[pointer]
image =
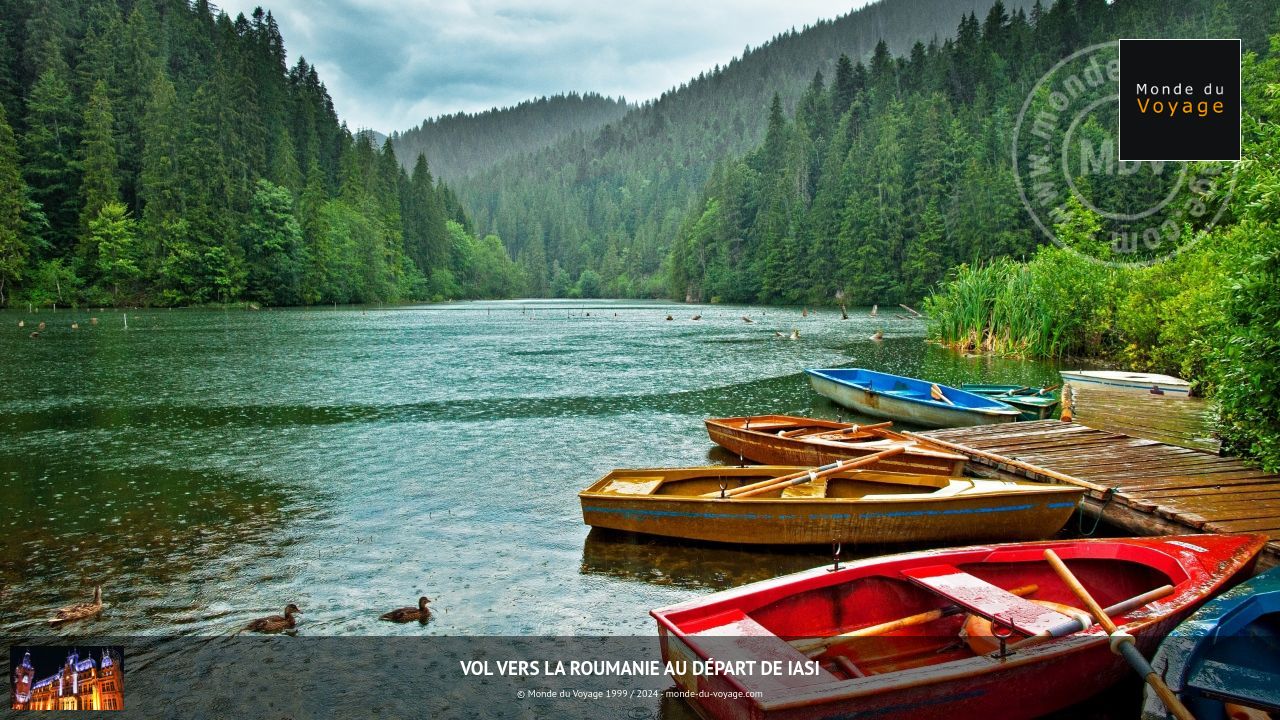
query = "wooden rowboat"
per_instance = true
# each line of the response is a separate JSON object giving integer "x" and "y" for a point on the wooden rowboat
{"x": 791, "y": 440}
{"x": 850, "y": 506}
{"x": 1136, "y": 381}
{"x": 908, "y": 399}
{"x": 1034, "y": 403}
{"x": 1224, "y": 661}
{"x": 899, "y": 618}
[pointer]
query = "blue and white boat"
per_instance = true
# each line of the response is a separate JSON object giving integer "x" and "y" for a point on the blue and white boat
{"x": 1224, "y": 661}
{"x": 907, "y": 399}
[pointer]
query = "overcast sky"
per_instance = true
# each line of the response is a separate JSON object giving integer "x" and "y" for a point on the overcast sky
{"x": 389, "y": 65}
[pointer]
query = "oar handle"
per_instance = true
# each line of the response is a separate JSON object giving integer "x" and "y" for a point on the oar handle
{"x": 1121, "y": 643}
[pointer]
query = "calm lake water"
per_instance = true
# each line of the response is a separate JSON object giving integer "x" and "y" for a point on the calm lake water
{"x": 207, "y": 467}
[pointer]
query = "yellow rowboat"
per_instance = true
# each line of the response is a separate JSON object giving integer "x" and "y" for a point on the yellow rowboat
{"x": 849, "y": 506}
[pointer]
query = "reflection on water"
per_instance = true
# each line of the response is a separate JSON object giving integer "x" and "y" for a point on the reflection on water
{"x": 702, "y": 567}
{"x": 207, "y": 467}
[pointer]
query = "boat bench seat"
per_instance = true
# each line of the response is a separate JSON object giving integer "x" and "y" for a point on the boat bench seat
{"x": 812, "y": 489}
{"x": 1248, "y": 686}
{"x": 635, "y": 485}
{"x": 736, "y": 636}
{"x": 990, "y": 601}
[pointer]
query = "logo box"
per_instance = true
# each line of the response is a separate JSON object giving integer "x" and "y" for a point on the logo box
{"x": 1179, "y": 100}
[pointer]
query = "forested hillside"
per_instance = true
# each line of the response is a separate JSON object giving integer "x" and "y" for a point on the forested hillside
{"x": 156, "y": 151}
{"x": 613, "y": 200}
{"x": 463, "y": 144}
{"x": 891, "y": 173}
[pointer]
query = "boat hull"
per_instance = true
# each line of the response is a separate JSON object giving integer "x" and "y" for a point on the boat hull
{"x": 772, "y": 449}
{"x": 1228, "y": 651}
{"x": 1136, "y": 382}
{"x": 883, "y": 405}
{"x": 1030, "y": 512}
{"x": 1032, "y": 406}
{"x": 1044, "y": 678}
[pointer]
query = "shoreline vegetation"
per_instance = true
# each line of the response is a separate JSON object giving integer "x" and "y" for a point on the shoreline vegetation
{"x": 1210, "y": 314}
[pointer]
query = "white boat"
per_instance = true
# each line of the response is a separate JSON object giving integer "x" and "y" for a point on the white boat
{"x": 1121, "y": 380}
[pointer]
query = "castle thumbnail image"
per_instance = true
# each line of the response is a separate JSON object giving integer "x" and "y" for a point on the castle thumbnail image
{"x": 60, "y": 678}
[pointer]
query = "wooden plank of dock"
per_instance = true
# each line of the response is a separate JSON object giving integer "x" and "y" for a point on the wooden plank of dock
{"x": 1177, "y": 420}
{"x": 1140, "y": 484}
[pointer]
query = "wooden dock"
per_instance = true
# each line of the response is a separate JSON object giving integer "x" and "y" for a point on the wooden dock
{"x": 1140, "y": 484}
{"x": 1182, "y": 421}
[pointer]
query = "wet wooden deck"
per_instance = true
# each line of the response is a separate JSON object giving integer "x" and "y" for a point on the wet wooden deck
{"x": 1140, "y": 484}
{"x": 1185, "y": 422}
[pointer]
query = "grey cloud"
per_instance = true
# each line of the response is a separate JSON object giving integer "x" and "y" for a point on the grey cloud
{"x": 390, "y": 65}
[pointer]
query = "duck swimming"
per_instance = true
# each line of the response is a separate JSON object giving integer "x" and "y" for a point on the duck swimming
{"x": 275, "y": 623}
{"x": 79, "y": 611}
{"x": 409, "y": 614}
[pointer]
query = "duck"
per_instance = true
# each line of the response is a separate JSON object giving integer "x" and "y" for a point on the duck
{"x": 22, "y": 323}
{"x": 878, "y": 336}
{"x": 696, "y": 317}
{"x": 40, "y": 326}
{"x": 75, "y": 326}
{"x": 79, "y": 611}
{"x": 275, "y": 623}
{"x": 35, "y": 334}
{"x": 409, "y": 614}
{"x": 747, "y": 319}
{"x": 795, "y": 334}
{"x": 669, "y": 318}
{"x": 93, "y": 321}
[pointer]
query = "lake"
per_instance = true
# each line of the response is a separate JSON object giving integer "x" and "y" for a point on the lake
{"x": 207, "y": 467}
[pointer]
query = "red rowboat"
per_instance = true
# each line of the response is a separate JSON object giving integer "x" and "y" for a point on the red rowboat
{"x": 906, "y": 656}
{"x": 792, "y": 440}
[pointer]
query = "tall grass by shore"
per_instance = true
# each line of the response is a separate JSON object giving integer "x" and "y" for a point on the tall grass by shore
{"x": 1056, "y": 305}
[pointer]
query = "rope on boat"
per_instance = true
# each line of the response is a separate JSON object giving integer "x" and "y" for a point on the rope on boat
{"x": 1109, "y": 496}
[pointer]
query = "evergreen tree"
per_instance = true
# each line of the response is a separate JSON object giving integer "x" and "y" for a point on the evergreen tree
{"x": 272, "y": 240}
{"x": 13, "y": 199}
{"x": 100, "y": 185}
{"x": 49, "y": 148}
{"x": 113, "y": 235}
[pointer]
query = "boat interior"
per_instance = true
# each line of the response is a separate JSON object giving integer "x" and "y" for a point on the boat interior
{"x": 810, "y": 429}
{"x": 847, "y": 485}
{"x": 1242, "y": 663}
{"x": 1018, "y": 586}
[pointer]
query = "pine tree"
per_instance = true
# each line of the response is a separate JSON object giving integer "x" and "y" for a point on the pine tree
{"x": 272, "y": 240}
{"x": 13, "y": 199}
{"x": 49, "y": 148}
{"x": 114, "y": 237}
{"x": 100, "y": 185}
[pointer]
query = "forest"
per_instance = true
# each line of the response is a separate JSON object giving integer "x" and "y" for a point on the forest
{"x": 463, "y": 144}
{"x": 613, "y": 201}
{"x": 899, "y": 169}
{"x": 160, "y": 153}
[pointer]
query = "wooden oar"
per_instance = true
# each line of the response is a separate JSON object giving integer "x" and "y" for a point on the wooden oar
{"x": 1084, "y": 622}
{"x": 814, "y": 646}
{"x": 859, "y": 428}
{"x": 1121, "y": 643}
{"x": 935, "y": 392}
{"x": 1047, "y": 390}
{"x": 806, "y": 475}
